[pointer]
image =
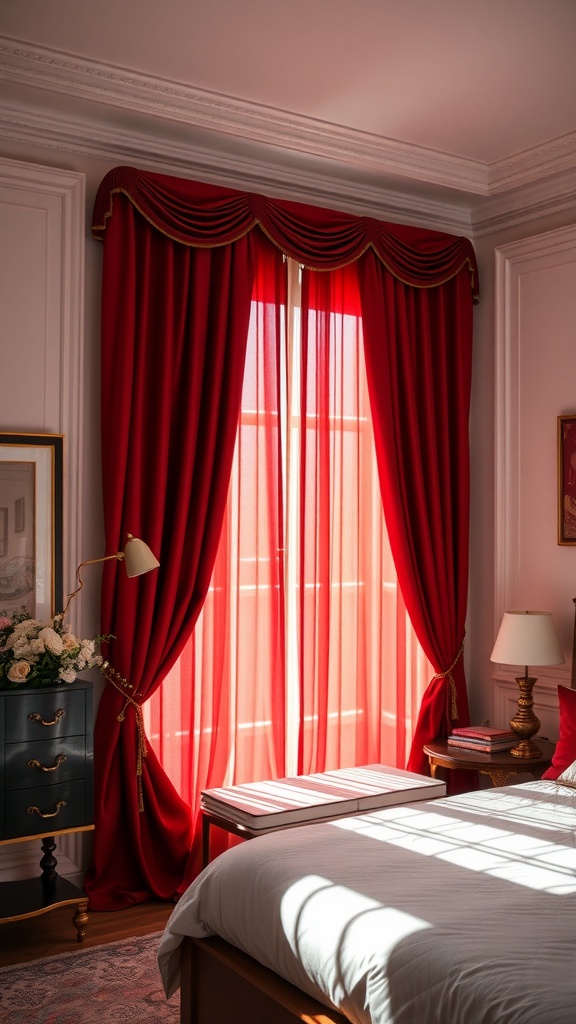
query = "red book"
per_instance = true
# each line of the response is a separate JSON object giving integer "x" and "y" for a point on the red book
{"x": 481, "y": 746}
{"x": 484, "y": 732}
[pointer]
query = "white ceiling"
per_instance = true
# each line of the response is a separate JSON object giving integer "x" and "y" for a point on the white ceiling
{"x": 453, "y": 101}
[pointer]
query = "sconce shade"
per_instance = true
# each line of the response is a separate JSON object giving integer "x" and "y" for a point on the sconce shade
{"x": 138, "y": 557}
{"x": 527, "y": 638}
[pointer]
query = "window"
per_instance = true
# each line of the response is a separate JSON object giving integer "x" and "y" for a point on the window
{"x": 303, "y": 658}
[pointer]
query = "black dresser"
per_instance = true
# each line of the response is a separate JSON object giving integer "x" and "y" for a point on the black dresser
{"x": 46, "y": 789}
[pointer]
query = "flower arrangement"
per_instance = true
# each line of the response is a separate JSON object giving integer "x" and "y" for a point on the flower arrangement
{"x": 35, "y": 654}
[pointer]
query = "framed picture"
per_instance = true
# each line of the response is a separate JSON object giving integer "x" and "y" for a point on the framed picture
{"x": 567, "y": 479}
{"x": 3, "y": 532}
{"x": 31, "y": 523}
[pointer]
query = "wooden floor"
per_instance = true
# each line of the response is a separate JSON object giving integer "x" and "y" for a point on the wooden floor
{"x": 52, "y": 933}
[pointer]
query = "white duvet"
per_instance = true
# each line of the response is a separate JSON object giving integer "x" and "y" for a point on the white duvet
{"x": 453, "y": 911}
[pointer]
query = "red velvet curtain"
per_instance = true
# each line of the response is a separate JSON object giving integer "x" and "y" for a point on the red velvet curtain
{"x": 179, "y": 262}
{"x": 174, "y": 328}
{"x": 420, "y": 399}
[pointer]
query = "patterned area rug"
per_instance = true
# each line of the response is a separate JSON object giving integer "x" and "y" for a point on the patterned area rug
{"x": 107, "y": 984}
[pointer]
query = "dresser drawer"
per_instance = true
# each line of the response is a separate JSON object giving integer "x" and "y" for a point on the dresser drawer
{"x": 57, "y": 807}
{"x": 45, "y": 714}
{"x": 52, "y": 727}
{"x": 44, "y": 763}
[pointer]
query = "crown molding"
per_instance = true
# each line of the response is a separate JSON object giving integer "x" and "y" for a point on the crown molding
{"x": 322, "y": 186}
{"x": 155, "y": 153}
{"x": 24, "y": 64}
{"x": 70, "y": 104}
{"x": 53, "y": 71}
{"x": 551, "y": 158}
{"x": 527, "y": 203}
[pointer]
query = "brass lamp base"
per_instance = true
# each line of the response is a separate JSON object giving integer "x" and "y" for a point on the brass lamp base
{"x": 525, "y": 723}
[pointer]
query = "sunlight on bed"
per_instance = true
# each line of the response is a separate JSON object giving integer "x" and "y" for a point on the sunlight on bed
{"x": 531, "y": 860}
{"x": 350, "y": 916}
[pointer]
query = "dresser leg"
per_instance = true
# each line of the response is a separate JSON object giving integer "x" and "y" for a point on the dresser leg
{"x": 80, "y": 920}
{"x": 48, "y": 866}
{"x": 49, "y": 879}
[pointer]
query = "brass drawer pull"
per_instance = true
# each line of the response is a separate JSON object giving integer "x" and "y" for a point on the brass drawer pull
{"x": 33, "y": 763}
{"x": 52, "y": 814}
{"x": 35, "y": 717}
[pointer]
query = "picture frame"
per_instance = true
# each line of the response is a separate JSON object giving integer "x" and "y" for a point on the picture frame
{"x": 3, "y": 531}
{"x": 31, "y": 493}
{"x": 567, "y": 479}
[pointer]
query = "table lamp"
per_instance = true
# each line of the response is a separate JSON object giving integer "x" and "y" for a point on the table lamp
{"x": 527, "y": 638}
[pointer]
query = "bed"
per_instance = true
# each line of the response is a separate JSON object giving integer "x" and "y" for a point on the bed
{"x": 460, "y": 910}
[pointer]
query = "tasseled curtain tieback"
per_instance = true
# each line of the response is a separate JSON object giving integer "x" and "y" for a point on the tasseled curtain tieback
{"x": 448, "y": 675}
{"x": 121, "y": 685}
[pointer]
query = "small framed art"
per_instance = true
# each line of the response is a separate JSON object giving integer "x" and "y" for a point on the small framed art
{"x": 31, "y": 523}
{"x": 567, "y": 479}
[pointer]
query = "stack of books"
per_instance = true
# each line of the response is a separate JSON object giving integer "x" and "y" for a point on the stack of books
{"x": 483, "y": 739}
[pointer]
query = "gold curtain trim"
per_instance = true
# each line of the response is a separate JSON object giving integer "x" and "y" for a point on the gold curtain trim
{"x": 174, "y": 238}
{"x": 98, "y": 229}
{"x": 120, "y": 684}
{"x": 448, "y": 675}
{"x": 379, "y": 256}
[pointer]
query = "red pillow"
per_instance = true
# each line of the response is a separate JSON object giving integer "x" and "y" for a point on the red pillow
{"x": 565, "y": 752}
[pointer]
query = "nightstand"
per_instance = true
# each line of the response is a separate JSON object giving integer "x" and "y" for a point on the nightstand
{"x": 46, "y": 790}
{"x": 498, "y": 767}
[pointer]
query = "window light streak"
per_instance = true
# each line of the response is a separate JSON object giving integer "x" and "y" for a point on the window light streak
{"x": 339, "y": 585}
{"x": 262, "y": 724}
{"x": 266, "y": 723}
{"x": 358, "y": 920}
{"x": 545, "y": 814}
{"x": 253, "y": 417}
{"x": 178, "y": 734}
{"x": 532, "y": 861}
{"x": 351, "y": 713}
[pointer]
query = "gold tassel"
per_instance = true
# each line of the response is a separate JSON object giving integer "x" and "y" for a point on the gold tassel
{"x": 119, "y": 683}
{"x": 448, "y": 675}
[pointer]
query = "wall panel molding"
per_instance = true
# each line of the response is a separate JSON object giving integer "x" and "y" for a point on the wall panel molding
{"x": 533, "y": 352}
{"x": 33, "y": 192}
{"x": 42, "y": 211}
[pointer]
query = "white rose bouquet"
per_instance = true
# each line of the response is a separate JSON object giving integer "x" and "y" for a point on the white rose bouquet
{"x": 34, "y": 653}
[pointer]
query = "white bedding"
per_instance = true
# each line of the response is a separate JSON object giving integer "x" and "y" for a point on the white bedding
{"x": 453, "y": 911}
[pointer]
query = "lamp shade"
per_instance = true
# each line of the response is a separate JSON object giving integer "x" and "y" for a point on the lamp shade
{"x": 138, "y": 557}
{"x": 527, "y": 638}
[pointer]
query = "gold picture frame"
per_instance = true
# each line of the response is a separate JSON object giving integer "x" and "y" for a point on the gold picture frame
{"x": 31, "y": 493}
{"x": 567, "y": 479}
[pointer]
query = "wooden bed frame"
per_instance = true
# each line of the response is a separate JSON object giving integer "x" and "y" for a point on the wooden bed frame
{"x": 221, "y": 984}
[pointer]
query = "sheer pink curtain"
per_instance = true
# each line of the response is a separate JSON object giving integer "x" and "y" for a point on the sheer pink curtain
{"x": 303, "y": 658}
{"x": 361, "y": 669}
{"x": 220, "y": 715}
